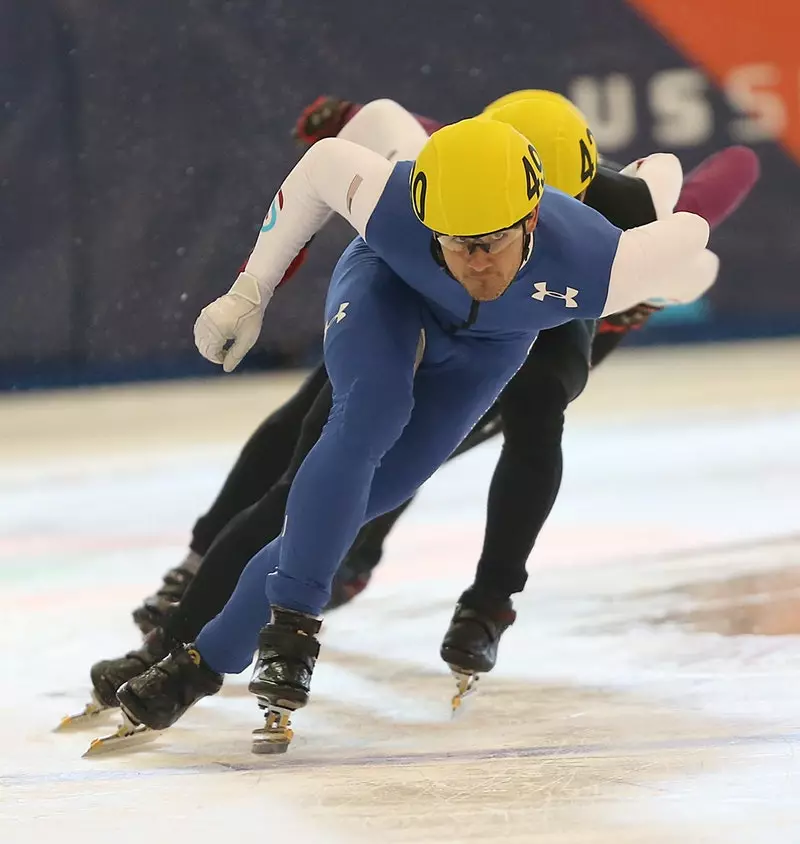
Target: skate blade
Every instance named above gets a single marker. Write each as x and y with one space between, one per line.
126 736
93 712
276 734
466 685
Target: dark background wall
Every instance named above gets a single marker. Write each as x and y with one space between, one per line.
140 144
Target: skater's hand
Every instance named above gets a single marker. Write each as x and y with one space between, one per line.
237 317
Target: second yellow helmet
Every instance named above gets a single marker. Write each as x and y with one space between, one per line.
507 99
558 131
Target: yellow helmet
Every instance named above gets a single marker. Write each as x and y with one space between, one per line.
475 177
559 132
507 99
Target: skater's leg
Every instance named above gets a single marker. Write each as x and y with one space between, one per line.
370 356
367 550
249 532
449 401
261 463
528 473
209 590
522 492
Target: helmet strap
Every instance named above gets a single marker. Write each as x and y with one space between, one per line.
438 256
528 242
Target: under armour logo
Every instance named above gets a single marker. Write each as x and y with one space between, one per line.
568 297
337 317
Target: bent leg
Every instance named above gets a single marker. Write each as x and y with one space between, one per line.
262 461
527 477
370 355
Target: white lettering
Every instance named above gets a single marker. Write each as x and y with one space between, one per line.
683 115
765 112
610 108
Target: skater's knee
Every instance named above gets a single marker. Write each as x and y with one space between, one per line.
284 422
550 380
539 426
536 421
370 417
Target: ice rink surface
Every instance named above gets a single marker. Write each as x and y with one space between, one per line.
649 691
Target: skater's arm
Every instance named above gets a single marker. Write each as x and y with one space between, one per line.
334 176
386 128
666 261
713 190
663 175
624 201
720 184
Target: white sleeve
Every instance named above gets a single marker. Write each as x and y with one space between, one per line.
663 175
385 127
335 175
666 260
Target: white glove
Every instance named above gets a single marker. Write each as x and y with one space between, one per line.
661 262
690 281
235 316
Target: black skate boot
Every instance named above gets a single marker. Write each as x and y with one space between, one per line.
157 698
324 118
471 641
109 674
287 652
160 696
176 581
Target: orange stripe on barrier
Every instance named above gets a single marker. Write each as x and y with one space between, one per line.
749 49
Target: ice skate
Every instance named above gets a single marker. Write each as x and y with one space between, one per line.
470 644
176 581
162 694
287 652
95 712
126 736
324 118
109 674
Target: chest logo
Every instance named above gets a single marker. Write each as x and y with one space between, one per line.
542 292
337 317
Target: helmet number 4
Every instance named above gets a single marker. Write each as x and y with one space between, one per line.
533 173
587 159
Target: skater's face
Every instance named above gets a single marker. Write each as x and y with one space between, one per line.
486 266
